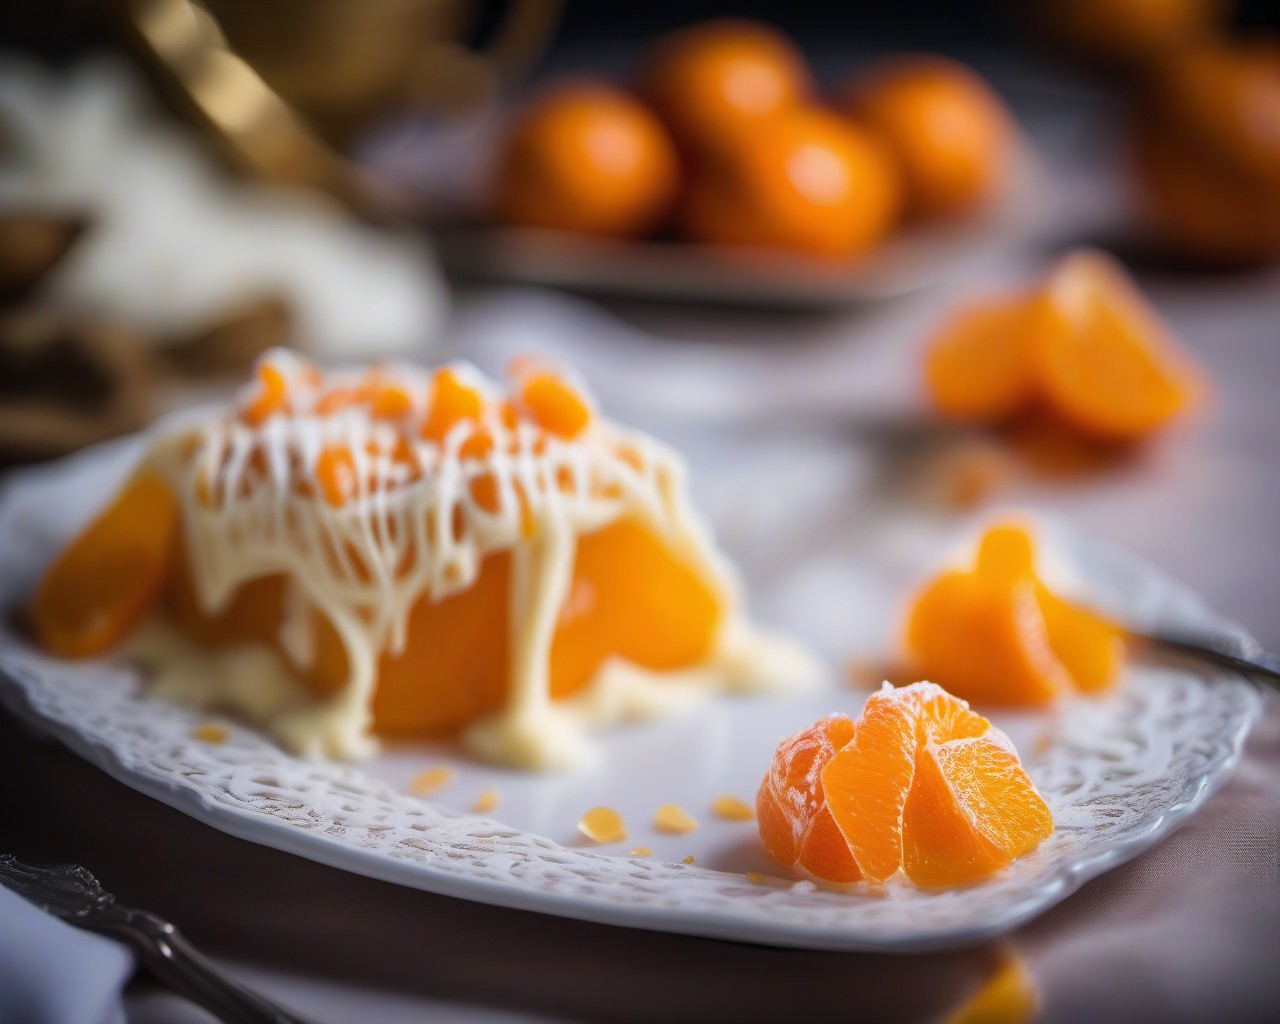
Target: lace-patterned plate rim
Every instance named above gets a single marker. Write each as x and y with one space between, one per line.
335 814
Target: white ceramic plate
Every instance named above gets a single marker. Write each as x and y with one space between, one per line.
1119 773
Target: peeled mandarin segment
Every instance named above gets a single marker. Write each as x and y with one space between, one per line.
971 811
941 845
554 405
430 780
791 793
1104 362
391 402
487 801
985 642
603 825
1090 648
825 853
939 715
866 784
103 584
451 401
1006 552
979 365
271 397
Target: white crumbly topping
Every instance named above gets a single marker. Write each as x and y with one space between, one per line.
252 506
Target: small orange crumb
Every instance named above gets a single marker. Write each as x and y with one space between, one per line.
689 859
452 400
210 732
672 818
603 825
336 473
487 800
970 472
642 851
732 809
756 878
273 389
428 781
554 404
391 402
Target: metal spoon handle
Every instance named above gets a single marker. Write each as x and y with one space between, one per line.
1262 666
176 963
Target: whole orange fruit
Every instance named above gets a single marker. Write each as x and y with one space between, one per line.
1206 150
1127 32
586 157
804 180
712 79
949 132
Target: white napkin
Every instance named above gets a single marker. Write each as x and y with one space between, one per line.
54 973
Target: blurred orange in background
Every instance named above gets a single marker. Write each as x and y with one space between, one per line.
949 133
1206 150
713 79
803 180
587 157
1121 33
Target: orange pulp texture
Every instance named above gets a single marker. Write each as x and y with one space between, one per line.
919 783
720 78
803 180
948 132
1086 346
588 158
996 634
631 596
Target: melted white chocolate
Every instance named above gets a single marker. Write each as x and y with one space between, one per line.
251 507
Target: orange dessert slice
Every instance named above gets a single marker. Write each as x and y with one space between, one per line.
996 634
425 553
920 783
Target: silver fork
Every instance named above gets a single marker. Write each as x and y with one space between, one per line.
70 892
1222 651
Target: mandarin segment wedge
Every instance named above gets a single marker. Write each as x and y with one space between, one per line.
997 634
978 365
102 585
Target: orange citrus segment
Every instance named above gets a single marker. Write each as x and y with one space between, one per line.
1090 648
603 825
971 811
554 405
867 783
1006 552
985 641
109 577
979 366
1104 362
1009 996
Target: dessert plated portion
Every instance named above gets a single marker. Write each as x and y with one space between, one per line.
392 552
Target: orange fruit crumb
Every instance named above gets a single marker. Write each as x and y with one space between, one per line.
641 851
756 878
336 474
691 859
732 809
589 158
674 819
996 633
920 783
451 401
554 405
210 732
391 402
271 396
603 825
430 780
487 801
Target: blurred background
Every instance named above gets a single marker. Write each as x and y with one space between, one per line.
757 229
